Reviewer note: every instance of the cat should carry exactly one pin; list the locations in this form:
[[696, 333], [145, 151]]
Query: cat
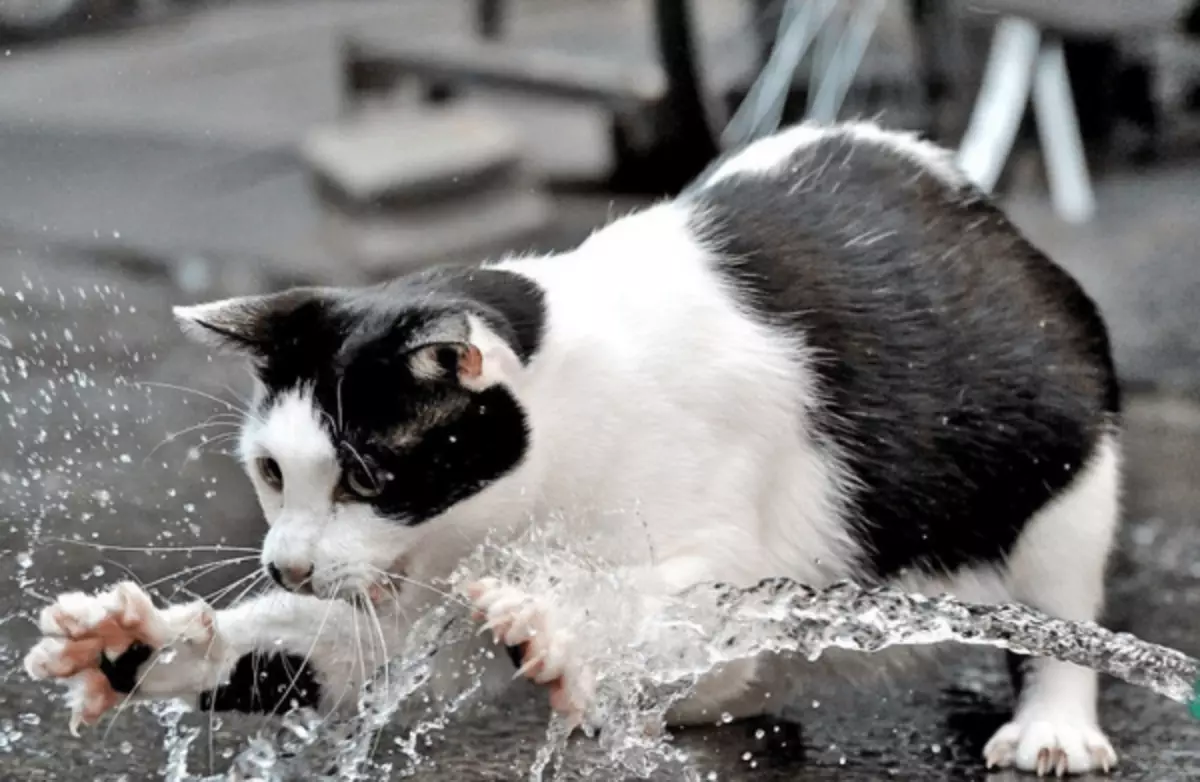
[[829, 358]]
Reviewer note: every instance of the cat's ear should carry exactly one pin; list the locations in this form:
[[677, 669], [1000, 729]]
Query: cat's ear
[[447, 361], [247, 324]]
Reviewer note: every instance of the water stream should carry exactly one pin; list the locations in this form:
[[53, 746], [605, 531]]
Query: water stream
[[644, 661]]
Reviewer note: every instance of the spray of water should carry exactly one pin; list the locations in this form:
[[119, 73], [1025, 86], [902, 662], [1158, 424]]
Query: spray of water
[[645, 656]]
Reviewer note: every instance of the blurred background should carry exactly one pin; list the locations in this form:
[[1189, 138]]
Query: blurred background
[[155, 152]]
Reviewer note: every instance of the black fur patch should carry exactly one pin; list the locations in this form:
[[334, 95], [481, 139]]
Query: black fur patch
[[439, 441], [966, 378], [263, 683], [1019, 669], [122, 673]]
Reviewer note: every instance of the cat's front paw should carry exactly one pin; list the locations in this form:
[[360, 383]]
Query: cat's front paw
[[548, 652], [98, 645]]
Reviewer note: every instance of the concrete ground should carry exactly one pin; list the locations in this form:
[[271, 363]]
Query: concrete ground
[[158, 166], [77, 466]]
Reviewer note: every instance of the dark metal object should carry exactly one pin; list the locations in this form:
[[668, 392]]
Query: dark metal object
[[660, 135], [489, 18], [25, 22], [375, 65]]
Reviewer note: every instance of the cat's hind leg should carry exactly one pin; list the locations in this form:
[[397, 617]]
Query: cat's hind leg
[[1058, 567]]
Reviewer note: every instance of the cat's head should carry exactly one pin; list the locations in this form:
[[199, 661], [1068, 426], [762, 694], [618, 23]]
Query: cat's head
[[376, 411]]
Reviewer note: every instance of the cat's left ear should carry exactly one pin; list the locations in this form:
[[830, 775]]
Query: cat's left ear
[[247, 324], [448, 361]]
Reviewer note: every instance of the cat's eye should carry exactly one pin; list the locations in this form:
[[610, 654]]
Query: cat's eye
[[363, 483], [268, 468]]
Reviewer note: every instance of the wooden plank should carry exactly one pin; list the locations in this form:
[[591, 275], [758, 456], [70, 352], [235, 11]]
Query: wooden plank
[[375, 61]]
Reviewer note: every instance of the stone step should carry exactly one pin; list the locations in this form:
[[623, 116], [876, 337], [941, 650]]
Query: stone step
[[405, 186], [383, 245], [387, 158]]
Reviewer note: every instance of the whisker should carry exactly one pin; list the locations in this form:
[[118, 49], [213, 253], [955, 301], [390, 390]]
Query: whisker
[[231, 406], [212, 713], [142, 678], [341, 379], [405, 579], [387, 680], [152, 549], [220, 594], [332, 423], [134, 576], [220, 439], [349, 684], [246, 404], [308, 655], [362, 663], [171, 438], [366, 470], [206, 568]]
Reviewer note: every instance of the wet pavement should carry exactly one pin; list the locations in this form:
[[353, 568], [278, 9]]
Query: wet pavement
[[79, 462]]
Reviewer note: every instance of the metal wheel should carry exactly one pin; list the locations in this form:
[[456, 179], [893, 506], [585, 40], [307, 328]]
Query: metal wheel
[[736, 65]]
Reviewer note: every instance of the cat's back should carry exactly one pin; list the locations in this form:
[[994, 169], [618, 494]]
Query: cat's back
[[965, 377]]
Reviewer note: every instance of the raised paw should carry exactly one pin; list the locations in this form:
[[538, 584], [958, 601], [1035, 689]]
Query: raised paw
[[516, 618], [97, 643], [1050, 746]]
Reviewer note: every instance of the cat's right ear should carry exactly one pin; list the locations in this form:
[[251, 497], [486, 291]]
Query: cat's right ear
[[248, 324]]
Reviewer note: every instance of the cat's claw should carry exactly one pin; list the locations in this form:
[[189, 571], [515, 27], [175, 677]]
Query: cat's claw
[[516, 618], [1050, 747], [80, 629]]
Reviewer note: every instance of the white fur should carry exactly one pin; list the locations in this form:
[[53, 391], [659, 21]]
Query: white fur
[[1058, 567], [769, 154], [346, 546]]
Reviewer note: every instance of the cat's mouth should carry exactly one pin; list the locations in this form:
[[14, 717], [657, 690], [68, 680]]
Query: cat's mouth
[[365, 594]]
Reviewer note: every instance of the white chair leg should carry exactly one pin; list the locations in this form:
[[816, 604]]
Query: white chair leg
[[761, 111], [841, 67], [1001, 102], [1062, 144]]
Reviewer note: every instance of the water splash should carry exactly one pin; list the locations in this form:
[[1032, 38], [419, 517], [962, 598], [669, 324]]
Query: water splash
[[71, 414], [647, 655]]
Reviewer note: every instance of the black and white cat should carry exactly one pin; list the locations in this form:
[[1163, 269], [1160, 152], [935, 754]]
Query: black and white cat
[[831, 358]]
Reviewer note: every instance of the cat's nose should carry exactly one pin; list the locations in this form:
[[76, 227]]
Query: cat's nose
[[293, 577]]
